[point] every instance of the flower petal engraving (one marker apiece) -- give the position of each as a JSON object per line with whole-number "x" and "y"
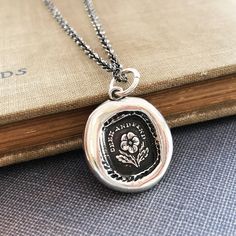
{"x": 130, "y": 149}
{"x": 133, "y": 149}
{"x": 124, "y": 137}
{"x": 129, "y": 142}
{"x": 124, "y": 146}
{"x": 135, "y": 140}
{"x": 130, "y": 135}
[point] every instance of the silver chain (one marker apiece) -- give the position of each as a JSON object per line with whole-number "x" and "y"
{"x": 113, "y": 65}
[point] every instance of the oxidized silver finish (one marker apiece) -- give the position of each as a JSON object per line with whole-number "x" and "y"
{"x": 128, "y": 144}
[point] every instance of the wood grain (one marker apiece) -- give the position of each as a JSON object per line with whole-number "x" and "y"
{"x": 174, "y": 102}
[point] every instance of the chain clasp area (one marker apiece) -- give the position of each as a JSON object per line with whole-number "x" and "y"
{"x": 117, "y": 92}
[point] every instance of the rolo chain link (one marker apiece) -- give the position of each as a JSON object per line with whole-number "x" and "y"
{"x": 113, "y": 65}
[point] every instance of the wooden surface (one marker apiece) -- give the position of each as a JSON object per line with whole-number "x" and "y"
{"x": 173, "y": 103}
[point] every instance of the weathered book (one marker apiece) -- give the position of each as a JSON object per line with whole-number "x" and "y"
{"x": 185, "y": 51}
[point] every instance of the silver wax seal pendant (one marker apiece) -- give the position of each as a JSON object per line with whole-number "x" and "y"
{"x": 127, "y": 142}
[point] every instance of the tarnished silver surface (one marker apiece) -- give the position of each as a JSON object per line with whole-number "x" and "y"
{"x": 128, "y": 144}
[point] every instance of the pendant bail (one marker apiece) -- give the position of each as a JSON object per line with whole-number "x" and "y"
{"x": 117, "y": 92}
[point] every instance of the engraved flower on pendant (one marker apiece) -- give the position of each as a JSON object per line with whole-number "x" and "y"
{"x": 129, "y": 142}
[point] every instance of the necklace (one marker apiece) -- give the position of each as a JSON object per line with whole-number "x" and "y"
{"x": 127, "y": 142}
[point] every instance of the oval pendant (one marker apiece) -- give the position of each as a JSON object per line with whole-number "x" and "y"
{"x": 128, "y": 144}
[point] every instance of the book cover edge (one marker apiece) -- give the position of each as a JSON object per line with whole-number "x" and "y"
{"x": 52, "y": 149}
